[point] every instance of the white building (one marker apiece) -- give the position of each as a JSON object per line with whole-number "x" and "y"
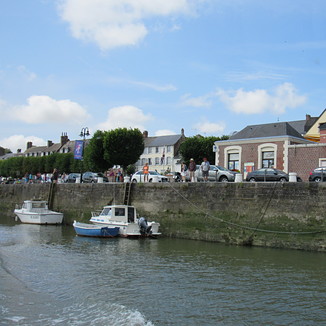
{"x": 161, "y": 152}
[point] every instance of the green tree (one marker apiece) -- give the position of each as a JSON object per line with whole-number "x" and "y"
{"x": 123, "y": 146}
{"x": 198, "y": 147}
{"x": 94, "y": 153}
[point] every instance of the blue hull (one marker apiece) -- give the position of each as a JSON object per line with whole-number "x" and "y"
{"x": 89, "y": 230}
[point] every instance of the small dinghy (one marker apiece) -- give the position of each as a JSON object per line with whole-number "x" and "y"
{"x": 98, "y": 231}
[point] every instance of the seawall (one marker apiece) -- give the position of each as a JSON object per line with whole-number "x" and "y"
{"x": 289, "y": 215}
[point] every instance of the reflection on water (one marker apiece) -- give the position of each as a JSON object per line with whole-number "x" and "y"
{"x": 48, "y": 276}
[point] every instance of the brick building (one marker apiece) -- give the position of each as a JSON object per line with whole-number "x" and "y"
{"x": 286, "y": 146}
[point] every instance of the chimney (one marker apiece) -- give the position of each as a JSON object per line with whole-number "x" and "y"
{"x": 50, "y": 143}
{"x": 182, "y": 132}
{"x": 308, "y": 117}
{"x": 64, "y": 138}
{"x": 29, "y": 144}
{"x": 145, "y": 134}
{"x": 322, "y": 133}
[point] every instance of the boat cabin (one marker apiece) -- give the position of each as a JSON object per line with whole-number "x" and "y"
{"x": 31, "y": 205}
{"x": 120, "y": 213}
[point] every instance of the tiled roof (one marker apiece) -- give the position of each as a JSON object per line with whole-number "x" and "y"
{"x": 268, "y": 130}
{"x": 161, "y": 140}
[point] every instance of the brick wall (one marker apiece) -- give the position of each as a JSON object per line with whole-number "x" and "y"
{"x": 305, "y": 158}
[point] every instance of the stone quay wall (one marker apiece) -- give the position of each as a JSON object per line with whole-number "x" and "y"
{"x": 289, "y": 215}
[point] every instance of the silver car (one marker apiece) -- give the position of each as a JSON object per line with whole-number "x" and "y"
{"x": 216, "y": 173}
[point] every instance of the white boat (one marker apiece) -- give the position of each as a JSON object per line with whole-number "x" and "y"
{"x": 37, "y": 212}
{"x": 125, "y": 217}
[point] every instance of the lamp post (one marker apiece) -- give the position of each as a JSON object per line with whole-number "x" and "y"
{"x": 83, "y": 133}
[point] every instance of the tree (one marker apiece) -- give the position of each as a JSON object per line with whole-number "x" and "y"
{"x": 94, "y": 152}
{"x": 123, "y": 146}
{"x": 198, "y": 147}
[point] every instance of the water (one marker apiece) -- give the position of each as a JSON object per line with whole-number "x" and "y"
{"x": 48, "y": 276}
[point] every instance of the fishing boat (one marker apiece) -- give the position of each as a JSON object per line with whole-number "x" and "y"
{"x": 92, "y": 230}
{"x": 125, "y": 218}
{"x": 37, "y": 212}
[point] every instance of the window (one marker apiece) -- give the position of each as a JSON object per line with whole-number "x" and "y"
{"x": 267, "y": 154}
{"x": 157, "y": 149}
{"x": 157, "y": 160}
{"x": 149, "y": 150}
{"x": 143, "y": 161}
{"x": 169, "y": 149}
{"x": 233, "y": 161}
{"x": 168, "y": 160}
{"x": 150, "y": 161}
{"x": 268, "y": 159}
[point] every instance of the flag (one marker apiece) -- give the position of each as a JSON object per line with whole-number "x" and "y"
{"x": 79, "y": 148}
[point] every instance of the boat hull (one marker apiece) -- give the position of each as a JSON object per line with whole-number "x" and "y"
{"x": 97, "y": 231}
{"x": 39, "y": 218}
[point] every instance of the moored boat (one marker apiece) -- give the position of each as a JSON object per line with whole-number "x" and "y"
{"x": 37, "y": 212}
{"x": 125, "y": 217}
{"x": 93, "y": 230}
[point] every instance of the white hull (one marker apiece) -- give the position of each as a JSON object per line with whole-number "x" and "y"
{"x": 125, "y": 218}
{"x": 39, "y": 218}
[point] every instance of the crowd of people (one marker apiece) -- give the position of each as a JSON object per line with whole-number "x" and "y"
{"x": 113, "y": 174}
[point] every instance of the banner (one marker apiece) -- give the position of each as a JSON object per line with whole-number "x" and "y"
{"x": 78, "y": 151}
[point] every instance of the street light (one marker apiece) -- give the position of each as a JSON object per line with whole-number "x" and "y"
{"x": 84, "y": 133}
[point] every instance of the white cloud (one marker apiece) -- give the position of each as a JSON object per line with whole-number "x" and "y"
{"x": 164, "y": 132}
{"x": 260, "y": 101}
{"x": 44, "y": 109}
{"x": 206, "y": 127}
{"x": 16, "y": 142}
{"x": 159, "y": 88}
{"x": 198, "y": 102}
{"x": 127, "y": 116}
{"x": 115, "y": 23}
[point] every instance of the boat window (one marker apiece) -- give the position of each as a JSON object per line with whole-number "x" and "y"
{"x": 106, "y": 211}
{"x": 119, "y": 212}
{"x": 131, "y": 214}
{"x": 38, "y": 205}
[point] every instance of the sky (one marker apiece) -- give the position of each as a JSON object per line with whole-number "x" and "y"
{"x": 211, "y": 67}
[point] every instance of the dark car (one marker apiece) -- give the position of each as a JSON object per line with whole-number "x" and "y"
{"x": 92, "y": 177}
{"x": 71, "y": 178}
{"x": 268, "y": 174}
{"x": 318, "y": 175}
{"x": 176, "y": 176}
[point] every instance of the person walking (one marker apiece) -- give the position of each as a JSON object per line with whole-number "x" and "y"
{"x": 55, "y": 176}
{"x": 183, "y": 171}
{"x": 145, "y": 172}
{"x": 205, "y": 168}
{"x": 192, "y": 170}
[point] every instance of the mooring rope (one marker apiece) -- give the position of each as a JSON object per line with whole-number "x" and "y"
{"x": 243, "y": 226}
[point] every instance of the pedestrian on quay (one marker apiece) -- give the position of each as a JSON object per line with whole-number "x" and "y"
{"x": 205, "y": 169}
{"x": 145, "y": 172}
{"x": 192, "y": 170}
{"x": 184, "y": 169}
{"x": 55, "y": 176}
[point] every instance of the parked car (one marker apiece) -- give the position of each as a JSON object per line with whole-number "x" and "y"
{"x": 216, "y": 173}
{"x": 318, "y": 175}
{"x": 71, "y": 178}
{"x": 268, "y": 174}
{"x": 176, "y": 176}
{"x": 92, "y": 177}
{"x": 152, "y": 177}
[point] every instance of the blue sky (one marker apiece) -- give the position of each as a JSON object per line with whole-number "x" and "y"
{"x": 208, "y": 66}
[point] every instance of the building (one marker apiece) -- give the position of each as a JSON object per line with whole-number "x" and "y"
{"x": 65, "y": 146}
{"x": 286, "y": 146}
{"x": 161, "y": 152}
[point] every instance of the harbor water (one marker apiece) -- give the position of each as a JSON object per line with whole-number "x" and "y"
{"x": 49, "y": 276}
